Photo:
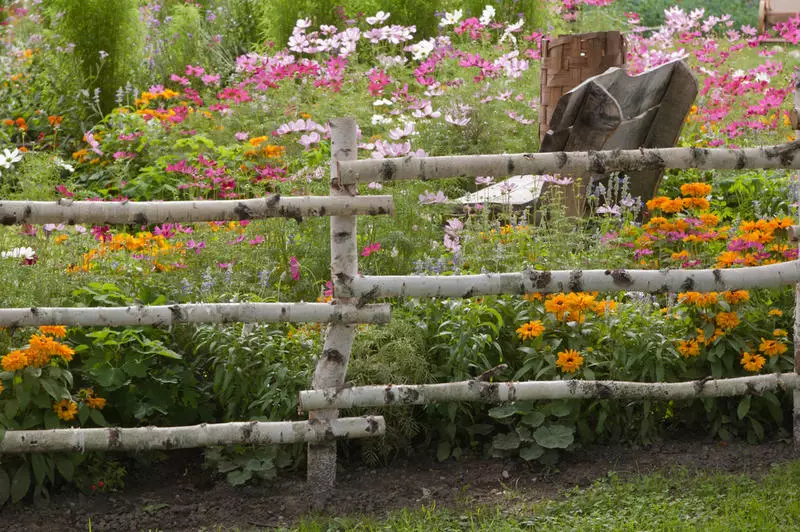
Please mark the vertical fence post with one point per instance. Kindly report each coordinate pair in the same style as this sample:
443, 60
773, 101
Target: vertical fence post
332, 364
796, 332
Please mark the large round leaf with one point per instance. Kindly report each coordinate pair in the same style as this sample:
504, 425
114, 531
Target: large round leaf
531, 452
554, 436
506, 442
503, 411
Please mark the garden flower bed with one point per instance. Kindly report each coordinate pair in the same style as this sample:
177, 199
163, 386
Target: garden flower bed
254, 124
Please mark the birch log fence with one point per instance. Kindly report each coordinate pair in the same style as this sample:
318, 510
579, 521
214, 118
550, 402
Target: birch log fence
354, 293
322, 428
359, 290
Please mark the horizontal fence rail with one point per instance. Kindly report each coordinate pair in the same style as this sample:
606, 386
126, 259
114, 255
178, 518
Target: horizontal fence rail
599, 162
368, 288
497, 392
166, 438
166, 315
153, 212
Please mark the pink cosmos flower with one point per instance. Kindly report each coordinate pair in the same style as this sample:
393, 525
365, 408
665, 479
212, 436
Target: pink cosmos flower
307, 140
370, 249
61, 189
196, 246
430, 198
294, 268
101, 234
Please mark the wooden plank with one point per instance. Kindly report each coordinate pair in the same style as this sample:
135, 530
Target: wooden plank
597, 119
636, 94
632, 133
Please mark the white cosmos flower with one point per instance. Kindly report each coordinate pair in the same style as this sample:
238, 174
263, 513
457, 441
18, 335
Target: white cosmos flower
379, 18
488, 15
450, 19
16, 253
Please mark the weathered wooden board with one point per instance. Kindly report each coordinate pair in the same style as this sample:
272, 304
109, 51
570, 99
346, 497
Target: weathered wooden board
612, 111
651, 109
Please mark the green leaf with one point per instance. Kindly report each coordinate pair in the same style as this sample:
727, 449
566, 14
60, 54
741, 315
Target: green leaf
65, 467
554, 436
534, 419
50, 420
503, 411
525, 433
11, 408
23, 395
531, 452
443, 451
560, 409
5, 486
83, 413
134, 369
21, 483
744, 407
239, 477
53, 389
506, 442
39, 468
480, 428
109, 377
97, 417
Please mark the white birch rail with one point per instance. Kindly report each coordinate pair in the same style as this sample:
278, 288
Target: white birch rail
165, 315
368, 288
153, 212
600, 162
166, 438
497, 392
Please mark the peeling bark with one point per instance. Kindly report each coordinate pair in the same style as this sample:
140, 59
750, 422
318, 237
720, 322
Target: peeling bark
332, 365
154, 212
485, 392
163, 316
166, 438
364, 171
652, 281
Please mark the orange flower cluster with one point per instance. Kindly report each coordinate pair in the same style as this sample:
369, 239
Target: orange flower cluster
66, 409
144, 244
752, 362
569, 361
40, 352
532, 329
270, 151
20, 123
147, 97
695, 190
575, 305
91, 400
693, 200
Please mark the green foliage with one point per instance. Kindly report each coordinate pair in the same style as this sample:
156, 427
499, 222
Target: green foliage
242, 464
652, 11
107, 37
256, 371
537, 431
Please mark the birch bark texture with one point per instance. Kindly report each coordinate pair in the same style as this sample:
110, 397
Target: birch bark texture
153, 212
498, 392
332, 364
167, 315
598, 162
166, 438
369, 288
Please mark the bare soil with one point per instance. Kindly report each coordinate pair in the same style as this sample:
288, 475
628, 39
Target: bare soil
180, 496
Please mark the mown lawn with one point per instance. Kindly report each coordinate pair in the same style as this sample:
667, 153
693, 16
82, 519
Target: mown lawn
676, 500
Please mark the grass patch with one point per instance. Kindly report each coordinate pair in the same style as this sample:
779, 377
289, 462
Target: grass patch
677, 500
